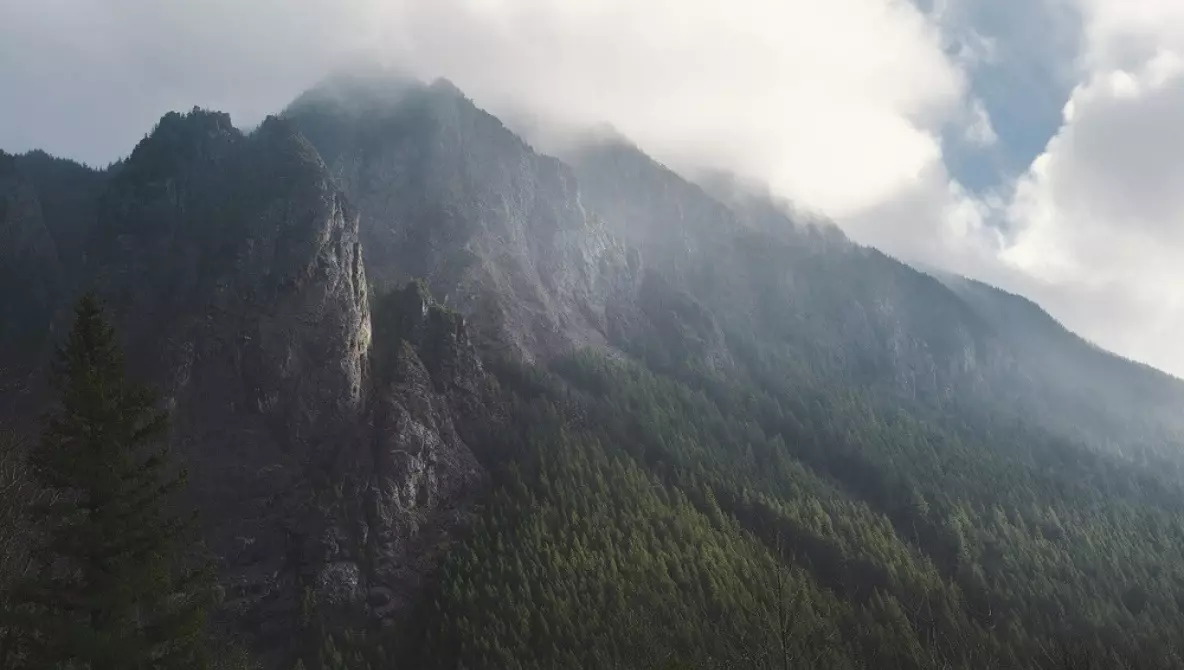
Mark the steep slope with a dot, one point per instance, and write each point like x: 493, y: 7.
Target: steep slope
x: 937, y: 408
x: 234, y: 272
x: 851, y: 310
x: 1095, y: 396
x: 869, y: 319
x: 449, y: 195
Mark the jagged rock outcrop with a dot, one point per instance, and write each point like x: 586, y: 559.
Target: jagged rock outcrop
x: 427, y: 407
x: 233, y: 267
x: 373, y: 538
x: 330, y: 467
x: 233, y: 271
x: 448, y: 194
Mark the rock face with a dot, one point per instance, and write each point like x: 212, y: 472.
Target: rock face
x: 427, y: 407
x: 233, y: 271
x: 370, y: 536
x: 449, y: 195
x: 232, y: 262
x: 330, y: 462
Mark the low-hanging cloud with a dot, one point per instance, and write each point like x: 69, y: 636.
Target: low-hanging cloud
x: 837, y: 104
x: 840, y: 106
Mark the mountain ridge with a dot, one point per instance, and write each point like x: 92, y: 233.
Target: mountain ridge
x: 362, y: 450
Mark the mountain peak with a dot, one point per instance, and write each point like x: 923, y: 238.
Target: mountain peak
x: 355, y: 93
x: 175, y: 128
x: 178, y: 139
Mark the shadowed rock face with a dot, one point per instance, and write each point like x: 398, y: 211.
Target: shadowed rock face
x: 233, y: 271
x: 427, y: 407
x: 232, y: 267
x: 330, y: 466
x: 448, y: 194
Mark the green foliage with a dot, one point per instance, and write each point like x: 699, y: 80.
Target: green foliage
x: 117, y: 581
x: 641, y: 519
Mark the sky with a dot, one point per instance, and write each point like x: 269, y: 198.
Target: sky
x: 1032, y: 144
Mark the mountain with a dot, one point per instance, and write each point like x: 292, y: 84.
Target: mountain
x: 449, y: 195
x: 232, y: 268
x: 447, y: 401
x: 935, y: 334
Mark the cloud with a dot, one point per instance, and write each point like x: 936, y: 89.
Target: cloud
x: 1019, y: 57
x: 934, y: 222
x: 1124, y: 34
x: 1100, y: 214
x: 838, y: 104
x: 1093, y: 228
x: 979, y: 130
x: 923, y: 127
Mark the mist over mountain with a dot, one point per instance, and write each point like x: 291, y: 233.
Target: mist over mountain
x: 450, y: 401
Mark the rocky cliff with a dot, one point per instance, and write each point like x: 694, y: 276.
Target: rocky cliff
x: 448, y: 194
x: 328, y: 466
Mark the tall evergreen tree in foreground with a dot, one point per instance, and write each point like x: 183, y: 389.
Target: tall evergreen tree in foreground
x: 117, y: 586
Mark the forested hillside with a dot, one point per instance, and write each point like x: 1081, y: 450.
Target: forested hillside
x: 449, y: 402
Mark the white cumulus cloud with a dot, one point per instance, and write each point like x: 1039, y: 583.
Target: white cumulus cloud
x: 1099, y: 217
x: 838, y: 105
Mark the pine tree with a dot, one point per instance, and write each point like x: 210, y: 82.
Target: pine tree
x: 120, y: 583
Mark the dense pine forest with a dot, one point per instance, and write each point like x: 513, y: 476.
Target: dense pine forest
x: 640, y: 516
